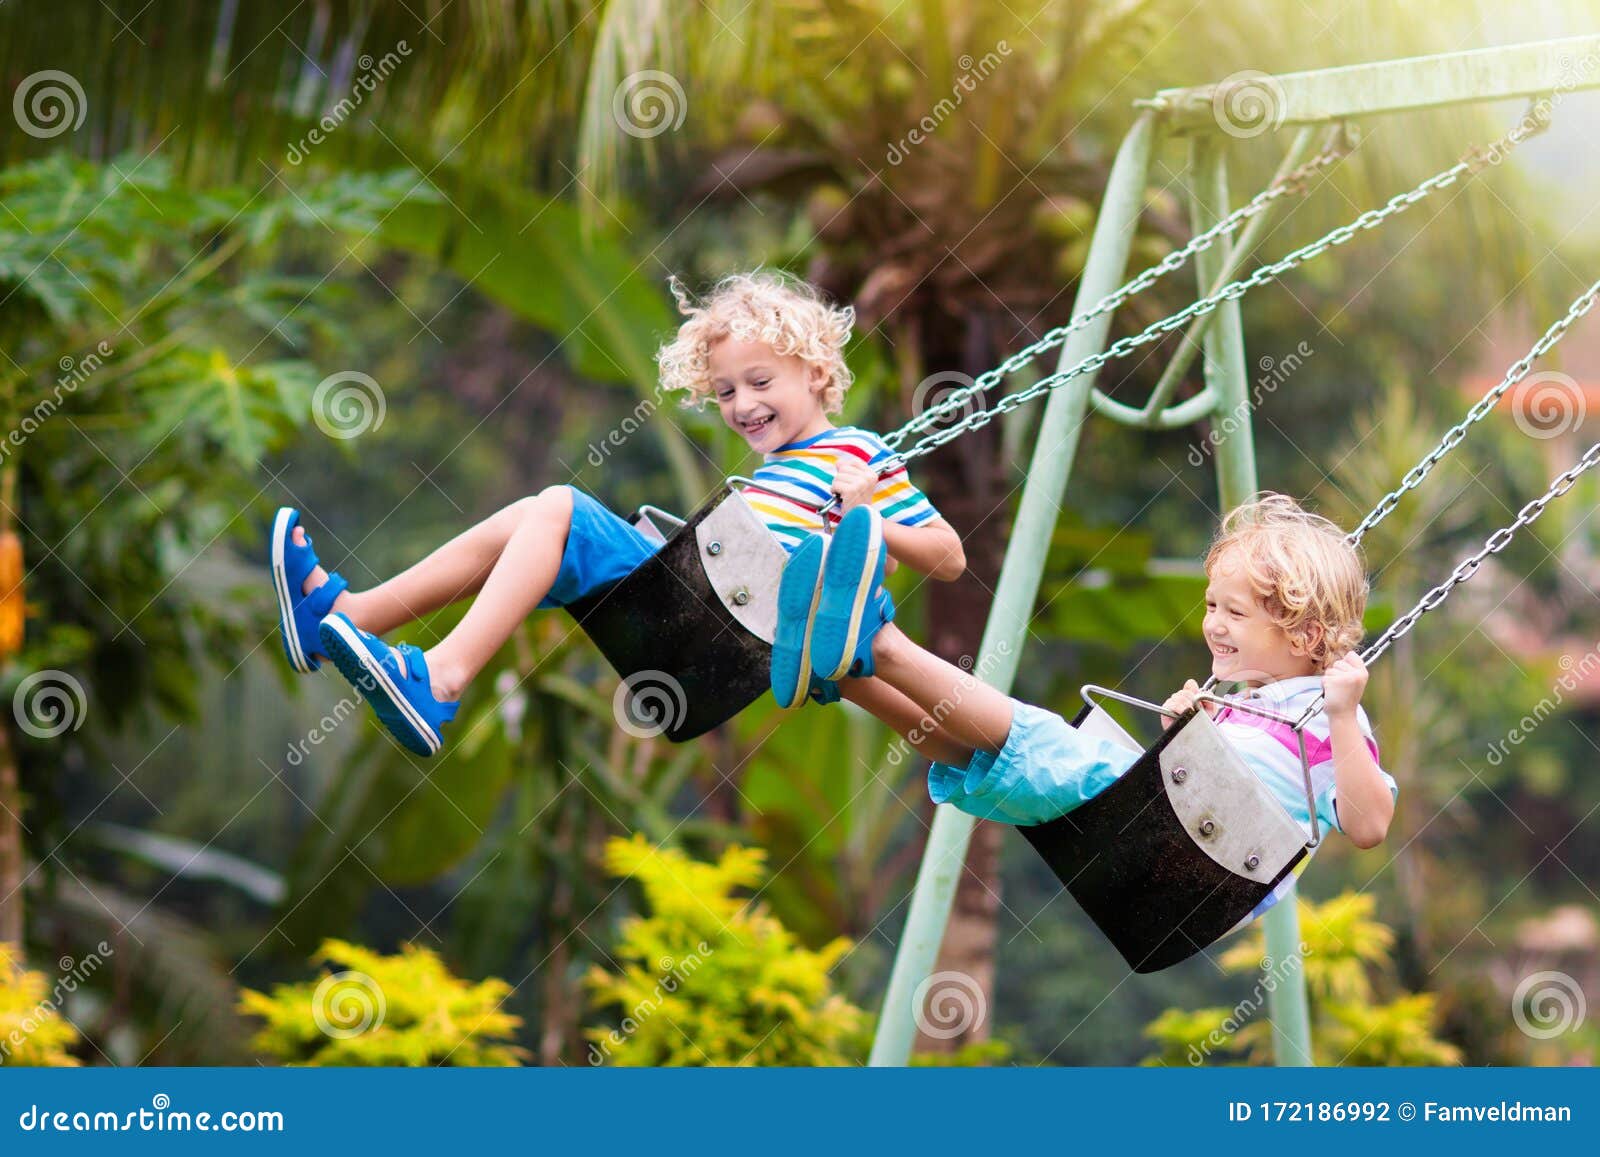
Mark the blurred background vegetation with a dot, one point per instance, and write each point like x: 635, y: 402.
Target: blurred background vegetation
x: 459, y: 201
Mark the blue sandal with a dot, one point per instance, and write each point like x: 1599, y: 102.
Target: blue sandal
x: 798, y: 593
x: 852, y: 576
x: 823, y: 691
x: 299, y: 614
x: 880, y: 612
x: 393, y: 679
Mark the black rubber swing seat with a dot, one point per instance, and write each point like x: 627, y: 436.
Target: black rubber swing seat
x: 1179, y: 850
x: 690, y: 630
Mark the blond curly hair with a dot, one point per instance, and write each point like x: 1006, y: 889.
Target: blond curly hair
x: 768, y: 306
x: 1309, y: 577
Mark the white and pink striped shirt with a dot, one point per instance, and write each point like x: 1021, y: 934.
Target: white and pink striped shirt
x: 1270, y: 750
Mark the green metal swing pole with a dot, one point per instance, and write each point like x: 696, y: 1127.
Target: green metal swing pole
x: 1228, y: 377
x: 1020, y: 575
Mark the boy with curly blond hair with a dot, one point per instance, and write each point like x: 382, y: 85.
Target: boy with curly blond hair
x: 768, y: 351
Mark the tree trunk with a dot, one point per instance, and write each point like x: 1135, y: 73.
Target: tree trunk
x: 966, y: 480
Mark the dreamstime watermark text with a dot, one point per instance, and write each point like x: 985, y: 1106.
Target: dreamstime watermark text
x: 74, y: 372
x: 373, y: 73
x: 1273, y: 373
x: 73, y: 974
x: 1274, y: 973
x: 1573, y: 674
x: 972, y: 72
x: 675, y: 973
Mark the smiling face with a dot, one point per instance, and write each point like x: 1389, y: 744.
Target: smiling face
x: 1246, y: 645
x: 770, y: 399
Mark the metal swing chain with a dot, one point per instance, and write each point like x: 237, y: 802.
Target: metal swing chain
x: 1496, y: 543
x: 1292, y: 182
x: 1453, y: 437
x: 1474, y: 160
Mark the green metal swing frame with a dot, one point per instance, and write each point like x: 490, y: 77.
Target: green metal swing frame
x: 1306, y: 100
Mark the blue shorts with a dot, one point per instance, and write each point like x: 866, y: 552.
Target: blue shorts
x: 1046, y: 768
x: 601, y: 548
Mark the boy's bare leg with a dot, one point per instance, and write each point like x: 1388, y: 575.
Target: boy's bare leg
x: 517, y: 582
x: 968, y: 712
x: 451, y: 573
x: 901, y: 713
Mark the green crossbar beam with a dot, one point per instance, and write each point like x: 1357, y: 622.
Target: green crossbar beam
x: 1359, y: 90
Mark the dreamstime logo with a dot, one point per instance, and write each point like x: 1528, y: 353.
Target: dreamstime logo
x: 675, y: 973
x: 73, y: 974
x: 1547, y: 1004
x: 1273, y: 373
x: 1541, y: 110
x: 619, y: 435
x: 942, y: 709
x: 944, y: 387
x: 649, y: 703
x: 649, y: 103
x: 948, y: 1004
x: 373, y: 73
x: 1248, y: 104
x: 348, y: 404
x: 1547, y: 405
x: 972, y: 71
x: 322, y: 730
x: 1574, y: 673
x: 49, y: 103
x: 74, y: 372
x: 347, y: 1004
x: 48, y: 703
x: 1274, y: 974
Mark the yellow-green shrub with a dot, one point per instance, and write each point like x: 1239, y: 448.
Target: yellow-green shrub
x: 32, y: 1032
x: 708, y: 978
x: 1345, y: 949
x: 385, y: 1010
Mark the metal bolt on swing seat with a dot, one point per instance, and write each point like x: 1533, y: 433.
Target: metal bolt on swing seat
x: 713, y: 548
x: 1179, y: 774
x: 1252, y: 863
x: 741, y: 597
x: 1207, y: 827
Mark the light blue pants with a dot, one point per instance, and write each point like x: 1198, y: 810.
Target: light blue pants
x: 1046, y: 768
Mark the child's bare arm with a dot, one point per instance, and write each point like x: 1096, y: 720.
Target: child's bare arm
x: 1365, y: 804
x: 934, y: 548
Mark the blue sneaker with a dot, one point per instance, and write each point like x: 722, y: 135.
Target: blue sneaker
x: 851, y: 578
x: 823, y: 691
x: 299, y: 614
x: 798, y: 593
x: 881, y: 612
x: 393, y: 679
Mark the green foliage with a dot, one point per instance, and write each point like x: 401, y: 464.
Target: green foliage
x: 708, y: 978
x: 32, y: 1032
x: 1346, y: 958
x: 830, y: 797
x: 385, y: 1010
x: 977, y: 1054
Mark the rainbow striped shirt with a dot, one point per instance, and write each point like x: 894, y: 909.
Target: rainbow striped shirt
x: 796, y: 480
